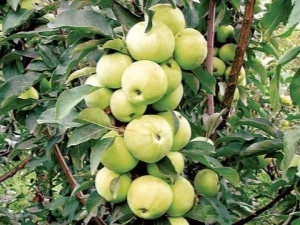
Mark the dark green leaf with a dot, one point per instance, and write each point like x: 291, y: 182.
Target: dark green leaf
x: 191, y: 81
x: 48, y: 56
x: 274, y: 88
x: 197, y: 155
x: 203, y: 213
x: 262, y: 147
x: 94, y: 201
x: 257, y: 67
x: 229, y: 174
x: 165, y: 168
x: 83, y: 186
x: 202, y: 147
x: 207, y: 81
x: 241, y: 136
x: 289, y: 56
x: 14, y: 19
x: 294, y: 88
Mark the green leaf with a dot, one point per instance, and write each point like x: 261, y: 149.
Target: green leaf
x: 191, y: 81
x: 294, y: 88
x: 203, y: 213
x: 257, y: 67
x: 93, y: 116
x: 202, y: 147
x: 265, y: 47
x: 207, y: 81
x: 83, y: 20
x: 81, y: 72
x: 165, y: 168
x: 212, y: 122
x: 262, y: 124
x: 57, y: 203
x: 70, y: 98
x: 48, y: 56
x: 203, y: 8
x: 84, y: 133
x: 97, y: 150
x: 230, y: 174
x: 291, y: 143
x: 88, y: 45
x: 78, y: 155
x: 294, y: 17
x: 114, y: 186
x: 94, y: 201
x: 14, y: 19
x: 83, y: 186
x: 241, y: 136
x: 262, y: 147
x: 289, y: 56
x: 175, y: 121
x: 196, y: 155
x: 274, y: 88
x: 117, y: 45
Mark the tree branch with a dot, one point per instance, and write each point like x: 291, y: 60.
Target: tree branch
x: 239, y: 58
x: 266, y: 207
x: 71, y: 180
x: 15, y: 170
x: 210, y: 47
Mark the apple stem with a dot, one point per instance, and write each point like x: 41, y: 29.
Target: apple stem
x: 210, y: 47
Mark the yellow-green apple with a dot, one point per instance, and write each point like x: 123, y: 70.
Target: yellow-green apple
x: 241, y: 76
x: 149, y: 138
x: 117, y: 157
x: 286, y: 100
x: 99, y: 98
x: 122, y: 109
x: 178, y: 221
x: 215, y: 51
x: 110, y: 68
x: 169, y: 101
x: 174, y: 74
x: 206, y: 182
x: 208, y: 140
x: 156, y: 45
x: 227, y: 53
x: 31, y: 93
x: 190, y: 48
x: 182, y: 135
x: 112, y: 186
x: 224, y: 33
x: 219, y: 67
x: 181, y: 189
x: 221, y: 92
x: 172, y: 17
x: 177, y: 160
x: 144, y: 82
x: 149, y: 197
x: 256, y: 162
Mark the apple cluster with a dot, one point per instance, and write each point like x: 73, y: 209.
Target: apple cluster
x: 142, y: 90
x: 223, y: 58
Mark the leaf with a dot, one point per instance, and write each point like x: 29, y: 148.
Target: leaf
x: 203, y: 213
x: 83, y: 20
x: 274, y: 88
x: 94, y: 201
x: 90, y: 45
x: 230, y: 174
x: 83, y: 186
x: 191, y: 81
x: 291, y: 142
x: 84, y: 133
x: 93, y: 116
x: 262, y: 147
x: 289, y: 56
x: 48, y: 56
x: 70, y: 98
x: 97, y: 150
x: 117, y: 45
x: 203, y: 147
x: 57, y: 203
x: 262, y: 124
x: 203, y: 8
x: 13, y: 4
x: 279, y: 12
x: 175, y: 121
x: 241, y: 136
x: 294, y: 88
x: 81, y: 72
x: 165, y: 168
x: 294, y: 17
x: 212, y: 122
x: 258, y: 67
x: 114, y: 186
x: 196, y: 155
x: 14, y: 19
x: 207, y: 81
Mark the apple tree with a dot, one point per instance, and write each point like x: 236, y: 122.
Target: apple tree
x: 149, y: 112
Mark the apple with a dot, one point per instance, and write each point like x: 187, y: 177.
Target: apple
x: 221, y: 92
x: 241, y: 76
x: 286, y: 100
x: 177, y: 221
x: 256, y: 162
x: 99, y: 98
x: 149, y: 197
x: 190, y: 48
x: 103, y: 181
x: 172, y: 17
x: 206, y: 182
x: 144, y: 82
x: 117, y: 158
x: 227, y: 53
x: 203, y: 139
x: 224, y: 33
x: 174, y: 74
x: 149, y: 138
x: 170, y: 101
x: 177, y: 161
x: 156, y: 45
x: 219, y: 67
x: 110, y: 68
x: 183, y: 197
x: 122, y: 109
x: 215, y: 51
x: 182, y: 135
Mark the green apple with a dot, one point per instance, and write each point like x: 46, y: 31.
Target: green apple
x: 224, y: 33
x: 156, y: 45
x: 241, y: 76
x: 30, y: 93
x: 182, y: 135
x: 215, y: 51
x: 149, y: 197
x: 181, y: 189
x: 110, y: 68
x: 221, y: 92
x: 206, y: 182
x: 144, y: 82
x: 112, y: 193
x: 203, y: 139
x: 256, y: 162
x: 177, y: 221
x: 122, y: 109
x: 286, y: 100
x: 227, y: 53
x: 149, y: 138
x: 219, y: 67
x: 99, y: 98
x: 117, y: 158
x: 177, y: 161
x: 190, y: 48
x: 174, y: 74
x: 169, y: 101
x: 172, y: 17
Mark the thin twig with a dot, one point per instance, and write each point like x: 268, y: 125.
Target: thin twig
x: 15, y: 170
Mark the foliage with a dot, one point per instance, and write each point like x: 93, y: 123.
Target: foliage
x: 55, y: 46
